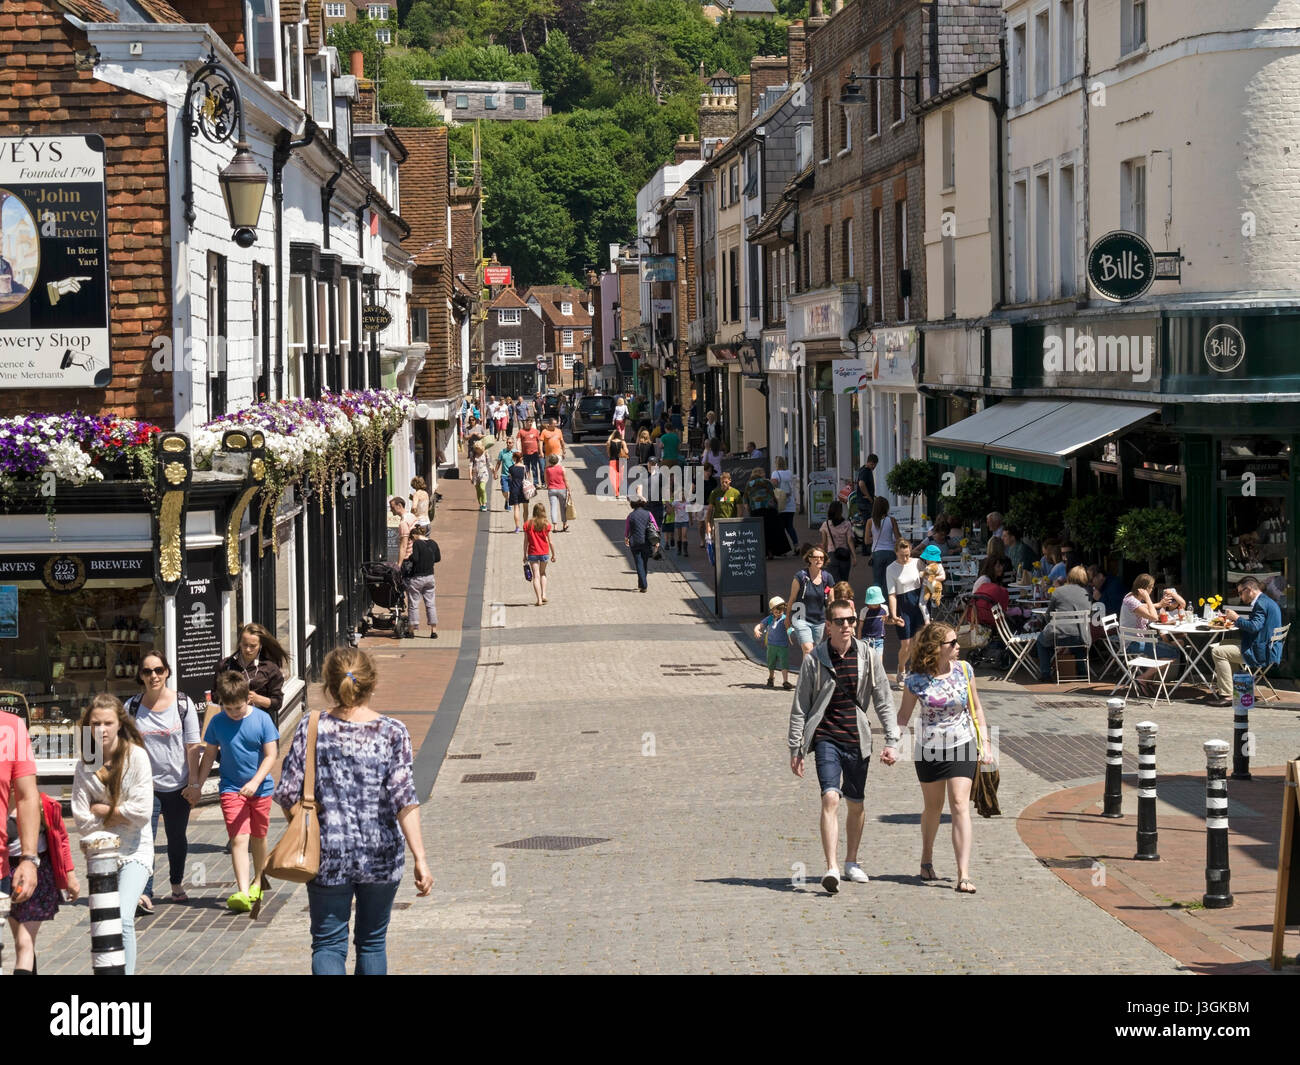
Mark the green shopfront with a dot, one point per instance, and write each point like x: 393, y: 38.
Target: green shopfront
x: 1193, y: 408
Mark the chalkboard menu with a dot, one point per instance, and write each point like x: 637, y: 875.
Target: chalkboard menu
x: 198, y: 625
x: 742, y: 469
x: 740, y: 566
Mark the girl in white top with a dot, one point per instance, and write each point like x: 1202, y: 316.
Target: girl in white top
x: 114, y: 793
x: 783, y: 480
x: 711, y: 457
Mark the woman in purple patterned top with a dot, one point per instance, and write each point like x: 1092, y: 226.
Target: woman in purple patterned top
x: 367, y: 805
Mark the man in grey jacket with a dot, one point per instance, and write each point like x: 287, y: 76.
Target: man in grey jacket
x: 829, y: 717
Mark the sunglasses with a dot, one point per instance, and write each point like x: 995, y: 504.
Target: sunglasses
x: 841, y: 621
x: 152, y: 671
x: 948, y: 643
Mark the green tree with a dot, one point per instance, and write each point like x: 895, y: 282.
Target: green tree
x: 403, y: 104
x: 565, y: 78
x: 511, y: 18
x: 526, y: 227
x: 422, y: 25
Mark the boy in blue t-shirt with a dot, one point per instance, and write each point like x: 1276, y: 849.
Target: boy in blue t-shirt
x: 775, y: 635
x: 248, y: 742
x: 871, y: 622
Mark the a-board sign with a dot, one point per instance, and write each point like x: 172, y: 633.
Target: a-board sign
x: 198, y: 628
x: 739, y: 560
x: 1287, y: 908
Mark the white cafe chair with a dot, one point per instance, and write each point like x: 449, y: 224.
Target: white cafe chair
x: 1020, y: 646
x: 1136, y: 663
x: 1260, y: 673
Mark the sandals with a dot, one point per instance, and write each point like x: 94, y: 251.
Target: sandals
x: 927, y: 871
x: 178, y: 896
x: 144, y: 907
x: 965, y: 886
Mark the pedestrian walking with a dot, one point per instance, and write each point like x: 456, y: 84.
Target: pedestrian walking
x: 479, y: 474
x: 530, y: 446
x: 113, y: 792
x: 247, y: 742
x: 538, y: 549
x: 711, y: 483
x: 774, y: 631
x: 419, y: 498
x: 168, y: 722
x: 837, y: 541
x: 810, y: 591
x: 903, y: 586
x: 405, y: 522
x: 760, y: 498
x: 620, y: 415
x: 645, y: 448
x: 640, y: 536
x: 883, y: 532
x: 502, y: 417
x: 725, y: 502
x: 557, y: 491
x: 54, y: 874
x: 517, y: 498
x: 783, y: 485
x: 420, y: 585
x: 501, y: 469
x: 553, y: 441
x: 713, y: 431
x: 946, y: 753
x: 366, y: 792
x: 261, y: 660
x: 828, y: 717
x: 19, y: 796
x: 871, y: 622
x: 616, y: 449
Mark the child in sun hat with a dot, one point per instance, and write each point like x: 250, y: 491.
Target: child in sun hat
x: 773, y: 631
x: 871, y: 622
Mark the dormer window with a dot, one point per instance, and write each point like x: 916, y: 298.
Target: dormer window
x: 322, y: 92
x: 566, y: 309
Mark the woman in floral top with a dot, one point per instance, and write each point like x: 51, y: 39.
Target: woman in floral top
x: 368, y: 803
x: 945, y: 750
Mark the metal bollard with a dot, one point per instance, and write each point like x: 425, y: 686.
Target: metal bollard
x: 1114, y: 796
x: 1218, y: 877
x: 1243, y: 698
x: 107, y: 954
x: 1146, y: 831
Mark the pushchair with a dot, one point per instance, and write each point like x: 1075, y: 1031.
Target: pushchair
x: 387, y: 593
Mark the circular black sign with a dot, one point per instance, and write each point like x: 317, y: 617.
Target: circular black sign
x: 375, y: 319
x: 64, y: 573
x: 1224, y: 347
x: 1121, y: 266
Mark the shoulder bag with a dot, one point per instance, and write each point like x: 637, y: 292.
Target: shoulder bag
x: 971, y: 635
x: 297, y: 856
x: 984, y: 788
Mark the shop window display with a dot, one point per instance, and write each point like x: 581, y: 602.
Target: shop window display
x: 1258, y: 530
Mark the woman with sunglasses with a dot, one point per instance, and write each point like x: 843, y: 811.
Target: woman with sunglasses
x: 810, y: 591
x: 944, y: 748
x: 169, y: 725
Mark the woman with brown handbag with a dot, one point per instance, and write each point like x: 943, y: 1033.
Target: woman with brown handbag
x: 367, y: 799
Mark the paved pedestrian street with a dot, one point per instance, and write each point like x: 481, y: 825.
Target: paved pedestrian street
x: 617, y: 797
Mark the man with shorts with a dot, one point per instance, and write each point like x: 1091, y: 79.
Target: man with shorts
x: 18, y: 871
x: 828, y: 717
x: 248, y: 741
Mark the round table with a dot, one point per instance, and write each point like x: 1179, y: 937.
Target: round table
x: 1195, y: 639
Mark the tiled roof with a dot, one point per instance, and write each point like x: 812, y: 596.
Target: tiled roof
x: 551, y: 296
x: 161, y: 11
x: 508, y: 298
x: 88, y: 10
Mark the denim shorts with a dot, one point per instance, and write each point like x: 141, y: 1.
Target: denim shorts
x: 807, y: 632
x: 539, y: 558
x: 835, y: 764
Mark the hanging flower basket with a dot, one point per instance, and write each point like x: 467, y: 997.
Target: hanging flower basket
x: 74, y: 448
x: 310, y: 442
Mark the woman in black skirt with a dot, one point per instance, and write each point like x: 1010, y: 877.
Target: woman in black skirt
x: 517, y: 501
x: 944, y: 746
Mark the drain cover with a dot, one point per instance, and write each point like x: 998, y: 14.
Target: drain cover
x: 497, y: 778
x: 451, y: 756
x: 553, y: 843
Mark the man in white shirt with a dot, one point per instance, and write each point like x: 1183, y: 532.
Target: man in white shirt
x: 405, y: 522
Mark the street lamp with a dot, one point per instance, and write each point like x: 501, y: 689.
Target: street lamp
x: 213, y: 108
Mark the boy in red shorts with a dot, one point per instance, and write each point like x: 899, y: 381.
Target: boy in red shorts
x: 248, y: 741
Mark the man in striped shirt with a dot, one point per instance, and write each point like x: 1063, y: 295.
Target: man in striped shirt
x: 829, y: 717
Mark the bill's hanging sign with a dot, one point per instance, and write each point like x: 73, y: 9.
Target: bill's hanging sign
x: 1121, y: 266
x: 53, y: 263
x: 375, y: 319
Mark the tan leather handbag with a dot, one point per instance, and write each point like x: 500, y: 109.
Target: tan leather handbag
x: 297, y: 856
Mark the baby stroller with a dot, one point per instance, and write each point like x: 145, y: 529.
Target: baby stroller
x: 388, y: 593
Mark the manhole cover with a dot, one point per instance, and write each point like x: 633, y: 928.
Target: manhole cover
x: 1070, y: 704
x: 497, y: 778
x: 451, y: 756
x: 1061, y: 757
x: 553, y: 843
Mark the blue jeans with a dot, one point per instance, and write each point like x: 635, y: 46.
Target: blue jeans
x: 175, y: 811
x: 330, y: 909
x: 641, y: 557
x: 130, y: 886
x: 880, y: 561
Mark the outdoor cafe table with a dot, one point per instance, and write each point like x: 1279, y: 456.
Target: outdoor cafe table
x: 1195, y: 639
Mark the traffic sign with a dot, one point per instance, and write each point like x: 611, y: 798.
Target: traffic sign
x: 543, y: 363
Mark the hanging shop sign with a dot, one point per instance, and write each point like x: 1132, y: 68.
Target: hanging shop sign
x: 53, y: 263
x: 848, y: 376
x: 1121, y: 266
x: 1225, y: 348
x: 375, y: 319
x: 658, y: 268
x: 496, y: 275
x: 68, y: 572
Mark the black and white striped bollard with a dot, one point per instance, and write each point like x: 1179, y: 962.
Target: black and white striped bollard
x: 1114, y: 797
x: 107, y: 953
x: 1243, y: 698
x: 1218, y: 877
x: 1146, y: 832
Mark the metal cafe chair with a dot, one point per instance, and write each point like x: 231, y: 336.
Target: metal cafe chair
x: 1019, y: 645
x: 1109, y: 643
x: 1082, y: 619
x: 1260, y: 673
x: 1134, y: 663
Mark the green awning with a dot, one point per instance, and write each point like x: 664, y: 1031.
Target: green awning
x: 1026, y: 470
x: 954, y: 456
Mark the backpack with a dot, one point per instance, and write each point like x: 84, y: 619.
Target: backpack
x: 183, y: 705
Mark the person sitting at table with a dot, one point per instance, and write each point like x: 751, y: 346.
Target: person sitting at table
x: 994, y: 522
x: 1070, y: 597
x: 989, y: 589
x: 996, y: 550
x: 1107, y: 589
x: 1255, y: 650
x: 1051, y: 555
x: 1018, y: 552
x: 1059, y: 573
x: 938, y: 536
x: 1137, y: 611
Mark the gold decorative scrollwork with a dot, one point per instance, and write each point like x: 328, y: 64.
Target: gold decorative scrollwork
x: 174, y: 443
x: 233, y: 566
x: 259, y: 470
x: 169, y: 535
x: 175, y: 472
x: 236, y: 440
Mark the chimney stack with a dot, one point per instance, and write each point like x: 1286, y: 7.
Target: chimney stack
x: 796, y: 50
x: 766, y: 72
x: 687, y: 147
x: 744, y: 101
x: 358, y: 64
x: 718, y: 118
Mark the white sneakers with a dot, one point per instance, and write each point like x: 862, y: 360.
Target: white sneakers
x: 853, y: 871
x: 831, y: 881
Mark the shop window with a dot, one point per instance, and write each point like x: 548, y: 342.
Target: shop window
x: 61, y: 649
x: 345, y: 315
x: 1257, y: 534
x: 419, y: 325
x: 286, y: 594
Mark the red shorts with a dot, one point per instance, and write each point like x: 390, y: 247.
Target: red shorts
x: 246, y: 817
